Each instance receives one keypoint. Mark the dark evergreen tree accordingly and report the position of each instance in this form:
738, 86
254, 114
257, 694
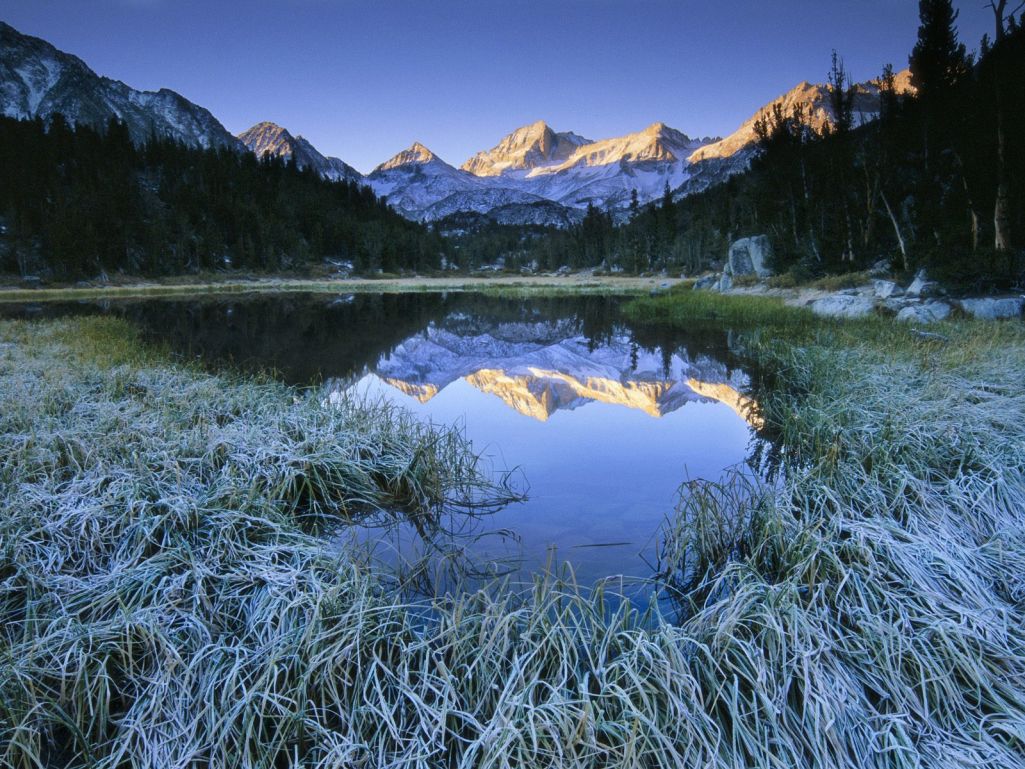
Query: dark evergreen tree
938, 61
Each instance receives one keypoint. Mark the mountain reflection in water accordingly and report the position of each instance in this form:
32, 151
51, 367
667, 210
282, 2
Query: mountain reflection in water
601, 421
538, 369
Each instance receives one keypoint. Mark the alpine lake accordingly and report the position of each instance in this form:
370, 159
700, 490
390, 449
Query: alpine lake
596, 425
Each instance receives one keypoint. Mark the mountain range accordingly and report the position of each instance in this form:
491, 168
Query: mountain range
534, 175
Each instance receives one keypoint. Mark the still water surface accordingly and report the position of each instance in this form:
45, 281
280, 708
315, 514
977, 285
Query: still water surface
598, 421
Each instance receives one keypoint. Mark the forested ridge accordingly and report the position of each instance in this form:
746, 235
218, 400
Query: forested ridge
77, 203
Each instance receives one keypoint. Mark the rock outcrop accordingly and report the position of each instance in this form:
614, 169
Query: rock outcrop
921, 285
994, 308
929, 312
884, 289
750, 256
843, 306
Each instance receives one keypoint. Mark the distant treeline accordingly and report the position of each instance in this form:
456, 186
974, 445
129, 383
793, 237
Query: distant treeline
937, 181
75, 203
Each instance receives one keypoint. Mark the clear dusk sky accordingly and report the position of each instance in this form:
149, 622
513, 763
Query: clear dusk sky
363, 79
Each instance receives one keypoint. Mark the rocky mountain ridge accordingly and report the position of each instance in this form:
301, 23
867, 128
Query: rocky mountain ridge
271, 139
525, 149
39, 81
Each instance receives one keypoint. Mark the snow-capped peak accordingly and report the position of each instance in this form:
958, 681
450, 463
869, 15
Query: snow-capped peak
658, 142
416, 154
416, 178
39, 81
527, 147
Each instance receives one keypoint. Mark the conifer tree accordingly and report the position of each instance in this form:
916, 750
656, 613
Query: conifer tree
938, 61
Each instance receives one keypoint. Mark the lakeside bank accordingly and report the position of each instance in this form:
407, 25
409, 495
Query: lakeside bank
574, 283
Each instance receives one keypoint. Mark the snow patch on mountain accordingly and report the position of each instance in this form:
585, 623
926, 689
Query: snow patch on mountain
479, 200
416, 178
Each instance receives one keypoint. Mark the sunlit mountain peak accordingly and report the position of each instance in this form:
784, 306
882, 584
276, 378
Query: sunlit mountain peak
415, 154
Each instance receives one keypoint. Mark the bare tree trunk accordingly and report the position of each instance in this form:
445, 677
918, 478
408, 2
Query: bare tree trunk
871, 193
1002, 206
896, 229
849, 256
793, 221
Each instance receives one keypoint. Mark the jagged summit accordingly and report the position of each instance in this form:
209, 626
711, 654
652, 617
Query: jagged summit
265, 126
416, 154
526, 148
269, 138
658, 142
38, 81
537, 128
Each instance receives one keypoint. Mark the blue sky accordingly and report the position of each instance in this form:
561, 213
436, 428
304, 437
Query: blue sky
363, 79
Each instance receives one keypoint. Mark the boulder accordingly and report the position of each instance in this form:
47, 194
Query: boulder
994, 308
706, 283
725, 282
880, 268
929, 312
750, 256
884, 289
897, 303
843, 306
921, 285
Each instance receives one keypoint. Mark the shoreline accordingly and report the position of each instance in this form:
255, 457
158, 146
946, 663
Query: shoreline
573, 283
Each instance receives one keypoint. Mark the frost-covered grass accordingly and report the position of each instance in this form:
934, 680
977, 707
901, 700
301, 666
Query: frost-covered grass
870, 610
163, 602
